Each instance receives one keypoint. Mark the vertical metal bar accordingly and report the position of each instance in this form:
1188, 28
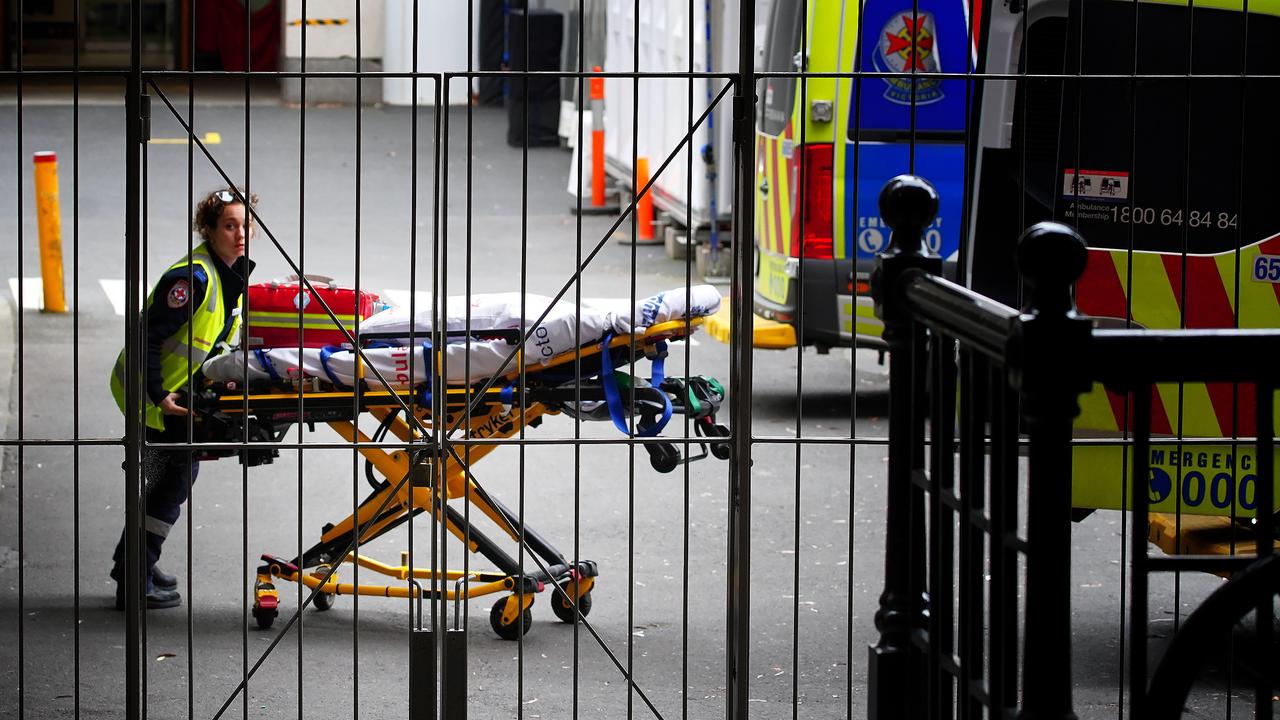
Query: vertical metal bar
413, 601
738, 577
973, 418
1264, 611
142, 533
852, 192
942, 524
246, 589
191, 506
422, 675
300, 586
909, 204
75, 344
453, 679
355, 453
1003, 609
1138, 550
801, 205
523, 377
133, 425
440, 480
20, 387
688, 355
597, 123
631, 359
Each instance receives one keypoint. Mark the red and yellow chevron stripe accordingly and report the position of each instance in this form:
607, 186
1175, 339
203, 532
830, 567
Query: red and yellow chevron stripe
1168, 291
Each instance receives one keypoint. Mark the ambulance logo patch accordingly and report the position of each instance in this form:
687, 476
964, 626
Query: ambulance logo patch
179, 294
909, 44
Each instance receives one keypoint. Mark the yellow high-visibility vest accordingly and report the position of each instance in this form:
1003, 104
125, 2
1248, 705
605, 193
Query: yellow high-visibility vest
178, 360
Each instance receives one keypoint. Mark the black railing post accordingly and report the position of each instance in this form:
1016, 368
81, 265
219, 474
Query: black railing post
908, 205
1046, 368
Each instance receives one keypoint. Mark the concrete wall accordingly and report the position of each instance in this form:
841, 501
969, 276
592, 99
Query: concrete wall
332, 48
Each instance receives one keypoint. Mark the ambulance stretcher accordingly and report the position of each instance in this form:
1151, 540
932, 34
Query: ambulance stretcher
426, 477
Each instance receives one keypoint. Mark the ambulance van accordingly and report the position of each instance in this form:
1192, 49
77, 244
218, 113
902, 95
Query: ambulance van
1148, 126
825, 147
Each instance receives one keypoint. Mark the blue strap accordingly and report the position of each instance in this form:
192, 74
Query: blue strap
660, 374
425, 397
659, 365
508, 394
613, 398
265, 361
325, 352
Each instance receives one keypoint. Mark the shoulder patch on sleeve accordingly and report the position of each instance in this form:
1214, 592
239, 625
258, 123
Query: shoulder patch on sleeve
179, 294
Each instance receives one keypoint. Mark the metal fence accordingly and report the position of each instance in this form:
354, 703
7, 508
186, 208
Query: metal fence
684, 587
977, 609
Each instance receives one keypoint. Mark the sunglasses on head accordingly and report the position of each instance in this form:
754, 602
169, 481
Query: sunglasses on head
225, 196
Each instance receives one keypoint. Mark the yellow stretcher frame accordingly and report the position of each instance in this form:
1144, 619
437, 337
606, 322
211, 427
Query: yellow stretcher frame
409, 489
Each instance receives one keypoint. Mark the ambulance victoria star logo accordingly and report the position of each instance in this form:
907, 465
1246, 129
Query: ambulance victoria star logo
179, 294
909, 44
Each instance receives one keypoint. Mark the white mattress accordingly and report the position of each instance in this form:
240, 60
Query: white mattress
405, 365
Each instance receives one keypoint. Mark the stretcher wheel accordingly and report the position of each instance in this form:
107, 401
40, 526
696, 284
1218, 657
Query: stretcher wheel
323, 600
515, 629
564, 610
265, 617
664, 457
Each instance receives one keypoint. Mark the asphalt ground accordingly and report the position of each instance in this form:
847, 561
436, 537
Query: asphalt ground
660, 605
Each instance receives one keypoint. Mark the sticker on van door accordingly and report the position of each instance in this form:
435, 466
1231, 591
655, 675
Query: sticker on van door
912, 39
1104, 185
907, 44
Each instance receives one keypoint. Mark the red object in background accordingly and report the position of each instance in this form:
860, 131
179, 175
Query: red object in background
220, 30
272, 313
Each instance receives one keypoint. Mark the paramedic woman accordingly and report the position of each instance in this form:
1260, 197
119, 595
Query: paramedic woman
197, 300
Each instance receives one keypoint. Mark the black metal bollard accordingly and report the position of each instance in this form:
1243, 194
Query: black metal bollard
1046, 368
896, 677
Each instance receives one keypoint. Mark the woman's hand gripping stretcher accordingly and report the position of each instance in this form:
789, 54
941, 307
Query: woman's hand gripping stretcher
481, 357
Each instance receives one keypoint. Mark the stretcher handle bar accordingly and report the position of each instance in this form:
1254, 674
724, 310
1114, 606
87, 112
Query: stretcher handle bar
511, 335
233, 404
302, 278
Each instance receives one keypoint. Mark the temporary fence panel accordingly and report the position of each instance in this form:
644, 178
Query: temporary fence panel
559, 536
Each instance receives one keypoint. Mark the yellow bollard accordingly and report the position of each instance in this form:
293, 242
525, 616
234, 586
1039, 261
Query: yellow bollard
49, 215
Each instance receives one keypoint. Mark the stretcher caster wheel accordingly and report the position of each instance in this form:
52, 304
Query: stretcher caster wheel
323, 600
664, 457
720, 450
266, 600
515, 629
561, 606
265, 617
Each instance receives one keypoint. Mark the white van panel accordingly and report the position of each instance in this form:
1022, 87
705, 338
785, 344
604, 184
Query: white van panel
656, 129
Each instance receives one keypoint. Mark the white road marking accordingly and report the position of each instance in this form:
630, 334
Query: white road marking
32, 292
115, 293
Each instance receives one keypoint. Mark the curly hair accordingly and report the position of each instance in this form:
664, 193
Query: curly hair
210, 208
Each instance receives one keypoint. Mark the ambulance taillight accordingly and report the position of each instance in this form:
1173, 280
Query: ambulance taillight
812, 221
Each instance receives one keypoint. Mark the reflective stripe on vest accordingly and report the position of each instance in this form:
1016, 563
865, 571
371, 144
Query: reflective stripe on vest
178, 360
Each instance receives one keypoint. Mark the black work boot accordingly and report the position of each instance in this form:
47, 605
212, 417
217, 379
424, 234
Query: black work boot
156, 599
163, 580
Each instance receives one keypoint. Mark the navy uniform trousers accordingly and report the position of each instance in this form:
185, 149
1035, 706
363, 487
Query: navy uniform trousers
168, 474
